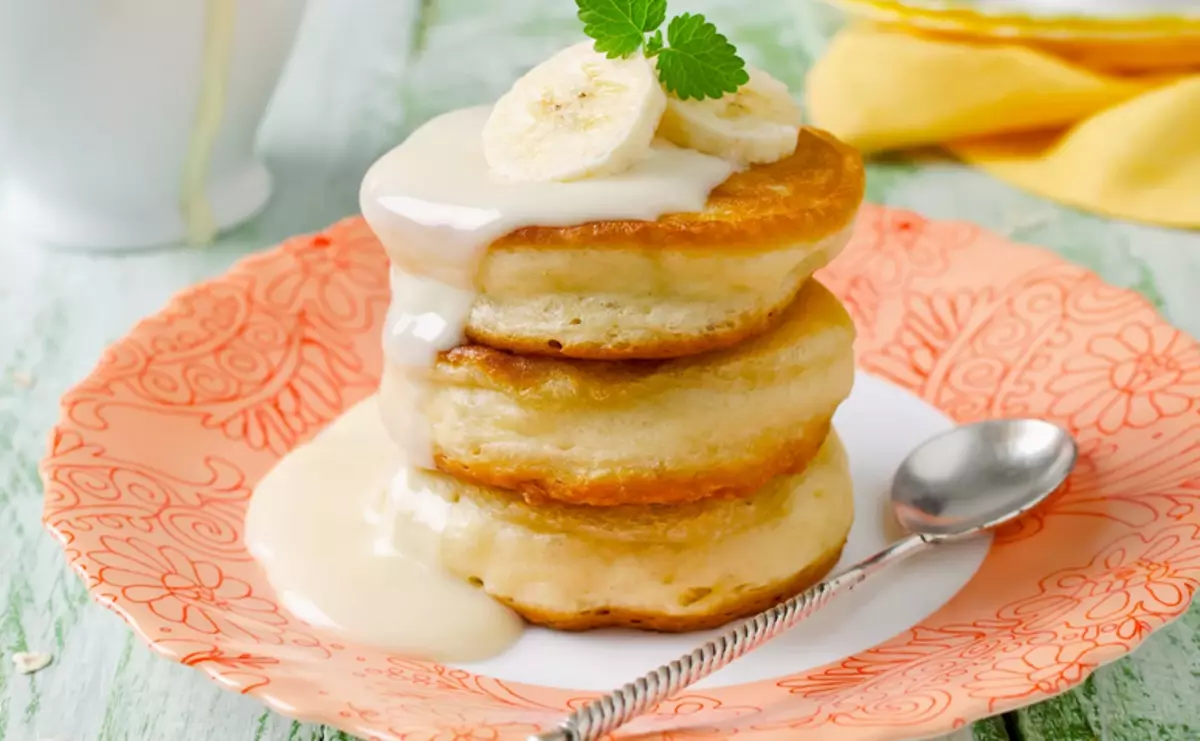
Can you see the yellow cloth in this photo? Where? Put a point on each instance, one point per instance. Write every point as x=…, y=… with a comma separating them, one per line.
x=1125, y=146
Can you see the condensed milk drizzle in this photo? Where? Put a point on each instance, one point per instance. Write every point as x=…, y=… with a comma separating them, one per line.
x=348, y=541
x=320, y=523
x=436, y=207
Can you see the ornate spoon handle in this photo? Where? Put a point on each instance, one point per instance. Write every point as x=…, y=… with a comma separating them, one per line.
x=606, y=714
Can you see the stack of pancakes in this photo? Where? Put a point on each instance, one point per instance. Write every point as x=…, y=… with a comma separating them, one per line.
x=639, y=432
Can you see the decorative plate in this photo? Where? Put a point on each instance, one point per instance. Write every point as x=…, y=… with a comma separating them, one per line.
x=157, y=451
x=1051, y=19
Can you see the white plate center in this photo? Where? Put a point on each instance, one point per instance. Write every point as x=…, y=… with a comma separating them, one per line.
x=880, y=424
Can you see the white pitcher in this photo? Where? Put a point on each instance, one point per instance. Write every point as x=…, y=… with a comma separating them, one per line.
x=131, y=123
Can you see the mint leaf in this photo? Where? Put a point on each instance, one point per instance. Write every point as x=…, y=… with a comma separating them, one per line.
x=619, y=27
x=694, y=61
x=656, y=14
x=654, y=44
x=699, y=62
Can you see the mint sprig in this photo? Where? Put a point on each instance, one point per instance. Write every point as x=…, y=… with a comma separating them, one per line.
x=694, y=60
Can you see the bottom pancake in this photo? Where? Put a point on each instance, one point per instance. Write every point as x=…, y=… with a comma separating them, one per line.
x=664, y=568
x=746, y=604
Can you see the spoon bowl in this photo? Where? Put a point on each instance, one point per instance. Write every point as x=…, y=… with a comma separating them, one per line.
x=977, y=477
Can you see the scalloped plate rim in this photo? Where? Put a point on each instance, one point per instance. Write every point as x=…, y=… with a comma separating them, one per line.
x=245, y=265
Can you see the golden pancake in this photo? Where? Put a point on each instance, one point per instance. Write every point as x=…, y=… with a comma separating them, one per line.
x=637, y=432
x=677, y=568
x=801, y=198
x=684, y=284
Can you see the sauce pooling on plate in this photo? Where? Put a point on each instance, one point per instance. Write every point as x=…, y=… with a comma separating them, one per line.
x=338, y=558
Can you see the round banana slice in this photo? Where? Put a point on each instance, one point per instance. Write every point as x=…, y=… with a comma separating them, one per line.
x=758, y=124
x=576, y=115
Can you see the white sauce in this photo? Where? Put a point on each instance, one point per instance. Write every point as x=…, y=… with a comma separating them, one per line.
x=349, y=544
x=343, y=557
x=436, y=206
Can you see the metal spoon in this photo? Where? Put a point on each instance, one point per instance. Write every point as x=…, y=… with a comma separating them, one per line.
x=954, y=486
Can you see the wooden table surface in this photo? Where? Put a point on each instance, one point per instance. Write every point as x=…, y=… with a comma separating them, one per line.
x=364, y=73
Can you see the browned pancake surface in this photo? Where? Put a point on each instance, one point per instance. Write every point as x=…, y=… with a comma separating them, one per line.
x=805, y=197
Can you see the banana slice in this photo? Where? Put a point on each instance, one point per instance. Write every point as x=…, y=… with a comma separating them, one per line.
x=759, y=123
x=576, y=115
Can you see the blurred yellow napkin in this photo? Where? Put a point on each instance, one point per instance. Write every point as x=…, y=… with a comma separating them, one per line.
x=1121, y=145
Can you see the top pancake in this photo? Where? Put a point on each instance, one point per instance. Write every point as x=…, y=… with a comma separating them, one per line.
x=802, y=198
x=685, y=284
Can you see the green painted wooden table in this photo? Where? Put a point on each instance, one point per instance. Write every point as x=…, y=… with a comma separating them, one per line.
x=364, y=73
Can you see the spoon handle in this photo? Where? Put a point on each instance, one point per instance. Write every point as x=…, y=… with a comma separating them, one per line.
x=606, y=714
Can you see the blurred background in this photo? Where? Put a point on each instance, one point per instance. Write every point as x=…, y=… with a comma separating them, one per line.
x=109, y=115
x=113, y=94
x=104, y=103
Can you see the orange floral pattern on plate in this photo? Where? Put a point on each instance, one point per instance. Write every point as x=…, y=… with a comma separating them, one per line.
x=157, y=451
